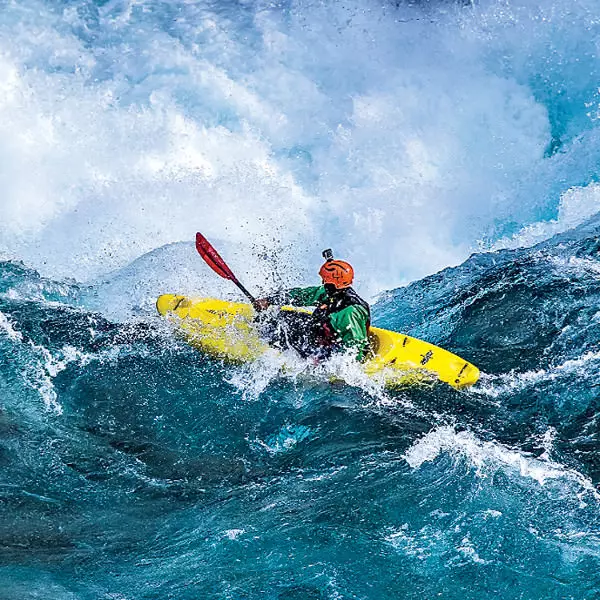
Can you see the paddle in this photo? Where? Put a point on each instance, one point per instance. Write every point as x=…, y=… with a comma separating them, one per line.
x=217, y=264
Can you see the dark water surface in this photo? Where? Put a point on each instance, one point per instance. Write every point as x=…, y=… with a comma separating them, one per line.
x=135, y=467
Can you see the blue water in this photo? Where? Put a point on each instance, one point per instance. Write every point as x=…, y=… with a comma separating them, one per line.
x=449, y=150
x=133, y=467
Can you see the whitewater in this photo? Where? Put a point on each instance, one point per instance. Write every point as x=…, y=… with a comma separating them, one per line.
x=449, y=150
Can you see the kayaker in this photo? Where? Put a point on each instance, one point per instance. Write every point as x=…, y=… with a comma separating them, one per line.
x=340, y=321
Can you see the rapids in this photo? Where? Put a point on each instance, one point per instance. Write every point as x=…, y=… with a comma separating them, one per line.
x=450, y=150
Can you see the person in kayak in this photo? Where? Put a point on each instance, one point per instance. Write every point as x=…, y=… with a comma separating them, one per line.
x=340, y=321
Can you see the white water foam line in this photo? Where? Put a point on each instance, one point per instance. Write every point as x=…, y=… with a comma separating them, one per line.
x=577, y=265
x=254, y=378
x=576, y=205
x=41, y=366
x=489, y=456
x=506, y=383
x=38, y=373
x=9, y=330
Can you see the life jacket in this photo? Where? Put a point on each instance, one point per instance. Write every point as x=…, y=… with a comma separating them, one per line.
x=339, y=301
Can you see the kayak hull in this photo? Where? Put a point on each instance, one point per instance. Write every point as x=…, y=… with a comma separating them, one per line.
x=226, y=330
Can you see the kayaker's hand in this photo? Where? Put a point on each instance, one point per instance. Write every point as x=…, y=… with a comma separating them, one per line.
x=261, y=304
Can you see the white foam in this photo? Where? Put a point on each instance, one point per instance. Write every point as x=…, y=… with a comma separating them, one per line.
x=576, y=206
x=514, y=381
x=391, y=137
x=419, y=545
x=486, y=457
x=253, y=378
x=574, y=264
x=233, y=534
x=467, y=550
x=40, y=366
x=9, y=330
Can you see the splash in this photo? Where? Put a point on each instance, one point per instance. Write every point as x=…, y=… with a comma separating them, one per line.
x=403, y=135
x=485, y=457
x=576, y=206
x=402, y=141
x=342, y=369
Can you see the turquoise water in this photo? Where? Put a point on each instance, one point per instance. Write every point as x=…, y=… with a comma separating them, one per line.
x=135, y=467
x=449, y=146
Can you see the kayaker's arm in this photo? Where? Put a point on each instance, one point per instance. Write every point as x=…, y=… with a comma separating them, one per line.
x=350, y=325
x=309, y=296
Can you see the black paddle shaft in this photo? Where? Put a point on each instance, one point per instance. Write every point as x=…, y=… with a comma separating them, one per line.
x=245, y=291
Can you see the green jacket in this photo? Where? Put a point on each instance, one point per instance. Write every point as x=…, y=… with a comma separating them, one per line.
x=350, y=324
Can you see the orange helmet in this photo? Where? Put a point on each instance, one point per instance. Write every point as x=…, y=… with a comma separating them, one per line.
x=337, y=272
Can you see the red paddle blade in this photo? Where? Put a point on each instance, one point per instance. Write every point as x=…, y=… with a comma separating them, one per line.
x=212, y=258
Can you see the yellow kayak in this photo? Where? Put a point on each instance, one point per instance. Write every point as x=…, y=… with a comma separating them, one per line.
x=226, y=330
